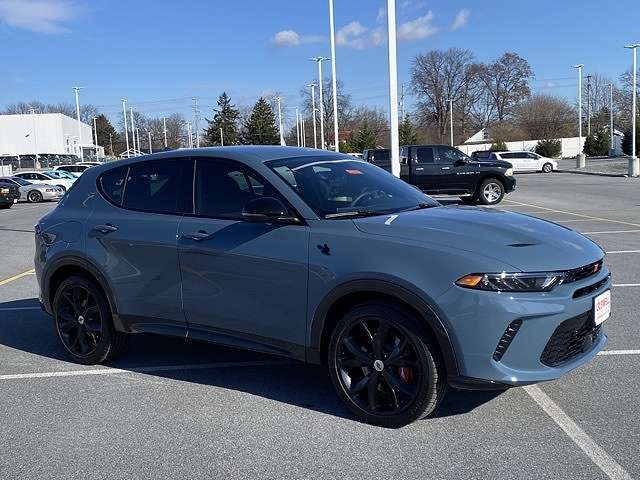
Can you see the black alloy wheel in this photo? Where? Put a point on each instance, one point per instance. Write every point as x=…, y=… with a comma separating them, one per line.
x=34, y=196
x=382, y=367
x=83, y=321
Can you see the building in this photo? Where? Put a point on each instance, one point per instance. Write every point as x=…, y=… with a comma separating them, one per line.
x=45, y=134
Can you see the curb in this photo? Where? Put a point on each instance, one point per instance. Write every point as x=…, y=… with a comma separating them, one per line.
x=616, y=175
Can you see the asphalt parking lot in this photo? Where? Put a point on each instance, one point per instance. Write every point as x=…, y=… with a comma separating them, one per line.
x=169, y=408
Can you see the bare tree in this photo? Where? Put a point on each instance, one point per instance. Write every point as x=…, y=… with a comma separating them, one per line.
x=375, y=122
x=546, y=117
x=507, y=83
x=345, y=106
x=436, y=77
x=598, y=97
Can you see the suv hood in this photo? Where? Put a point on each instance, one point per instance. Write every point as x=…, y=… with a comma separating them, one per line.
x=527, y=243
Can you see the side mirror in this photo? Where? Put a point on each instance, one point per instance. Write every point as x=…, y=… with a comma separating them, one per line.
x=460, y=162
x=267, y=209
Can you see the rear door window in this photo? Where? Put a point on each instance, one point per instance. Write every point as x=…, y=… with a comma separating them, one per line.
x=424, y=155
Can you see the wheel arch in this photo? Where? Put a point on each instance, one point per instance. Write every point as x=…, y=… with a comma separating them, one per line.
x=346, y=295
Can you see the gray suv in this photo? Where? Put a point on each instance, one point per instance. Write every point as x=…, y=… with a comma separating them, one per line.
x=323, y=258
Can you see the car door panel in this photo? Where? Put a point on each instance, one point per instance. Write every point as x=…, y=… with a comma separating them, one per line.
x=458, y=173
x=425, y=172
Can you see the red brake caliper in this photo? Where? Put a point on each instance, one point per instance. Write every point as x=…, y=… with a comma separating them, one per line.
x=406, y=374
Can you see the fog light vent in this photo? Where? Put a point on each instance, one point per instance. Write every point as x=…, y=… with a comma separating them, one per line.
x=506, y=339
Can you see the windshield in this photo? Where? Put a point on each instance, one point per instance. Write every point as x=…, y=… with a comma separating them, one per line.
x=20, y=181
x=61, y=174
x=342, y=187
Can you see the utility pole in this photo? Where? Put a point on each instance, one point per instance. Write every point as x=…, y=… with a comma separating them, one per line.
x=612, y=147
x=634, y=167
x=126, y=131
x=580, y=160
x=313, y=109
x=133, y=132
x=164, y=129
x=221, y=138
x=95, y=134
x=77, y=89
x=196, y=114
x=451, y=118
x=589, y=104
x=319, y=60
x=280, y=122
x=333, y=82
x=402, y=102
x=393, y=88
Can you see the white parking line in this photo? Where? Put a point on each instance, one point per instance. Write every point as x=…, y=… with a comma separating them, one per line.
x=156, y=368
x=626, y=284
x=619, y=352
x=610, y=231
x=594, y=451
x=575, y=214
x=622, y=251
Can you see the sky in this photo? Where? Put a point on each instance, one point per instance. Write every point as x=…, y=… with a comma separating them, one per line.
x=158, y=54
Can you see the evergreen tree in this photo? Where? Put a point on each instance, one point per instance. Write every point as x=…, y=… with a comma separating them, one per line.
x=363, y=138
x=597, y=144
x=225, y=118
x=260, y=128
x=626, y=140
x=106, y=133
x=408, y=134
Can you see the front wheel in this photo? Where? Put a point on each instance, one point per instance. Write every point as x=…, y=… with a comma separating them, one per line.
x=491, y=191
x=547, y=168
x=82, y=320
x=383, y=366
x=34, y=196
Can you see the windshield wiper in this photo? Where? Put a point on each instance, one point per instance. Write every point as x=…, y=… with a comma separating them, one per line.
x=419, y=206
x=354, y=213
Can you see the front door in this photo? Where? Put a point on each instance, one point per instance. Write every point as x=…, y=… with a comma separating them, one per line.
x=242, y=281
x=459, y=173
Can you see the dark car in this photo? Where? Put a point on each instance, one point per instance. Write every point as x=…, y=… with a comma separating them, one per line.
x=441, y=169
x=324, y=258
x=482, y=154
x=9, y=194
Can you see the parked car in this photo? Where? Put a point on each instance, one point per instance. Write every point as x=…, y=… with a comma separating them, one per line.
x=378, y=156
x=323, y=258
x=33, y=192
x=75, y=168
x=62, y=174
x=481, y=155
x=89, y=164
x=9, y=194
x=43, y=177
x=524, y=161
x=441, y=169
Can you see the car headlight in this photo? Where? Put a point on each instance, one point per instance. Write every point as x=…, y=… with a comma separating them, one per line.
x=512, y=282
x=509, y=172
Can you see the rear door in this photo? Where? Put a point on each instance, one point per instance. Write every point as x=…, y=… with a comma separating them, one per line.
x=426, y=174
x=132, y=237
x=242, y=281
x=519, y=160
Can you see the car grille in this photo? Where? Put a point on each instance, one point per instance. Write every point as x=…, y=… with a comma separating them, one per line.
x=506, y=339
x=570, y=339
x=581, y=273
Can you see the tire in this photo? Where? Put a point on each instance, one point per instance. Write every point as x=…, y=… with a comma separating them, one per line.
x=411, y=384
x=6, y=205
x=547, y=168
x=87, y=325
x=469, y=199
x=34, y=196
x=64, y=189
x=491, y=191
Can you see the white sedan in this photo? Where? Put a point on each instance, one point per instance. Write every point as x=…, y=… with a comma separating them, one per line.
x=524, y=161
x=35, y=176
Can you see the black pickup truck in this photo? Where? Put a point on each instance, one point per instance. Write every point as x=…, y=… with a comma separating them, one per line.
x=8, y=195
x=441, y=169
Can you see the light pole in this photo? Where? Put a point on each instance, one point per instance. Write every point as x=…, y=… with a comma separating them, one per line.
x=393, y=88
x=333, y=81
x=580, y=160
x=138, y=140
x=313, y=109
x=304, y=133
x=77, y=89
x=634, y=167
x=297, y=126
x=126, y=131
x=221, y=138
x=164, y=129
x=196, y=114
x=611, y=148
x=319, y=60
x=280, y=121
x=451, y=118
x=133, y=132
x=150, y=147
x=35, y=135
x=589, y=104
x=95, y=135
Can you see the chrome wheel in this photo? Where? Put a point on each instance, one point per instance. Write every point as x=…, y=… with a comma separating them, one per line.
x=547, y=168
x=378, y=368
x=79, y=320
x=492, y=192
x=34, y=196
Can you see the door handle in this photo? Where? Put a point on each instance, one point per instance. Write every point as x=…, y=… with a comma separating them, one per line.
x=105, y=228
x=197, y=236
x=445, y=168
x=419, y=169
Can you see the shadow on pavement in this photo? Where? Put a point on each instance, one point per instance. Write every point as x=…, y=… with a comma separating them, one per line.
x=25, y=328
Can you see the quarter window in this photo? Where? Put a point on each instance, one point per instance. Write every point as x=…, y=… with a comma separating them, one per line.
x=112, y=184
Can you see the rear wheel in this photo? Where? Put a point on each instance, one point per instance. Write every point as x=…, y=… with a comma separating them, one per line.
x=34, y=196
x=491, y=191
x=384, y=367
x=64, y=189
x=547, y=168
x=82, y=319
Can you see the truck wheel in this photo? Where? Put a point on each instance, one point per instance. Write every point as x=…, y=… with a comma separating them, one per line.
x=491, y=191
